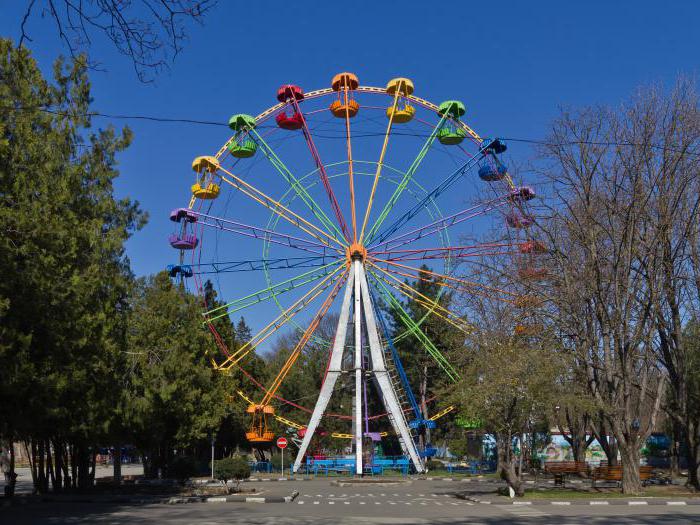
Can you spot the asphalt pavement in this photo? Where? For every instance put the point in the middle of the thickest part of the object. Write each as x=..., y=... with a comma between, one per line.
x=320, y=501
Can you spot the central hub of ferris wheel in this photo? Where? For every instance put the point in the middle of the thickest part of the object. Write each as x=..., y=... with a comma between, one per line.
x=356, y=252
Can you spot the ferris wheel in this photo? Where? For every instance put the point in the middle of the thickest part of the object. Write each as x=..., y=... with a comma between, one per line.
x=328, y=202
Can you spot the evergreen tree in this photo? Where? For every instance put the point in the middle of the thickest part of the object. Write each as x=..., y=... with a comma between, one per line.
x=62, y=258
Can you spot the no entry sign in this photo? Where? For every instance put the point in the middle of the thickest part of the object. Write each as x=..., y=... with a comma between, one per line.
x=282, y=442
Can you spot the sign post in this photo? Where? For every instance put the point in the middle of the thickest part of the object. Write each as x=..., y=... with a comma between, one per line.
x=282, y=444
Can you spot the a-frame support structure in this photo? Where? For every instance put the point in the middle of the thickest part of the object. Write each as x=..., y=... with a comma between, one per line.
x=357, y=295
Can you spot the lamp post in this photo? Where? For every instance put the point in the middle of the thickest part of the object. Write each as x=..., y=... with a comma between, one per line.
x=213, y=440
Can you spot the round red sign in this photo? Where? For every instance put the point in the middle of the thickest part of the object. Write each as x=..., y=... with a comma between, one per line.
x=282, y=442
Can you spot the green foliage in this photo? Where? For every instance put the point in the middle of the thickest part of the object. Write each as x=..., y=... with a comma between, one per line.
x=66, y=277
x=174, y=396
x=235, y=467
x=508, y=383
x=182, y=468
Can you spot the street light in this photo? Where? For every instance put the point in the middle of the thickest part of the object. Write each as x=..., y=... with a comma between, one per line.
x=212, y=437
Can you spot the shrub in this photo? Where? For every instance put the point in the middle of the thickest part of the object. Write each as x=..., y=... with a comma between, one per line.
x=235, y=467
x=182, y=467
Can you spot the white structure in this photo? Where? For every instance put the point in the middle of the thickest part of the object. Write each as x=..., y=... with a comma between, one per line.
x=357, y=294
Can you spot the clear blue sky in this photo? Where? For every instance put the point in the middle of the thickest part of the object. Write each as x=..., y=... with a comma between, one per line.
x=512, y=63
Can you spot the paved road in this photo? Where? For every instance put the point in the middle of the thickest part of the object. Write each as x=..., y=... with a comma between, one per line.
x=421, y=502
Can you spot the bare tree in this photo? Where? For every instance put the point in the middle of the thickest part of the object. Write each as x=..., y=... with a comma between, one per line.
x=150, y=32
x=598, y=233
x=670, y=127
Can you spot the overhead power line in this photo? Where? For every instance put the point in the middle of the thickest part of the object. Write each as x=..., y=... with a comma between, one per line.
x=340, y=136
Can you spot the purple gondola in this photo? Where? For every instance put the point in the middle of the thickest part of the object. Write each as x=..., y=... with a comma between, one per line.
x=185, y=242
x=183, y=213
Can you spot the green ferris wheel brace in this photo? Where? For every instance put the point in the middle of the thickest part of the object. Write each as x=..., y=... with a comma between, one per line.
x=296, y=185
x=415, y=329
x=271, y=291
x=242, y=123
x=406, y=178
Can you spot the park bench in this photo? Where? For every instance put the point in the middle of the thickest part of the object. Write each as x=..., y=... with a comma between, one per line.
x=329, y=465
x=562, y=469
x=614, y=474
x=380, y=465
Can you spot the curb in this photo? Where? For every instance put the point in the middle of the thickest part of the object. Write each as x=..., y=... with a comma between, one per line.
x=592, y=502
x=233, y=499
x=275, y=479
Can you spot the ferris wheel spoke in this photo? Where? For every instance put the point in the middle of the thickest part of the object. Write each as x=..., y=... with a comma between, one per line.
x=415, y=330
x=441, y=224
x=407, y=177
x=380, y=164
x=299, y=305
x=322, y=172
x=265, y=294
x=279, y=209
x=298, y=188
x=431, y=304
x=256, y=265
x=449, y=252
x=306, y=336
x=348, y=146
x=430, y=196
x=448, y=281
x=263, y=234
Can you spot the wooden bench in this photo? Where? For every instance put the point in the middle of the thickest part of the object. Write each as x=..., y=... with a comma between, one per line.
x=646, y=472
x=561, y=469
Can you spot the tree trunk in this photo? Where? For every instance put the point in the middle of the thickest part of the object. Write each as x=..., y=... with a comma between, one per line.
x=117, y=463
x=58, y=466
x=693, y=442
x=631, y=481
x=506, y=465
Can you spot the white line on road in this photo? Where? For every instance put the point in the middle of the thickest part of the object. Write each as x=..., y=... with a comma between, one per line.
x=675, y=503
x=637, y=503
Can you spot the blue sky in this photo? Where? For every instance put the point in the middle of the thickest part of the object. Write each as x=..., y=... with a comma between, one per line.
x=512, y=63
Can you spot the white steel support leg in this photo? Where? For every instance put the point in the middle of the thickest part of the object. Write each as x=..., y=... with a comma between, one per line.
x=386, y=387
x=357, y=269
x=334, y=369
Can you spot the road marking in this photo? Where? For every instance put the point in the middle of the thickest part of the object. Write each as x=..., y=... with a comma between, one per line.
x=421, y=495
x=300, y=502
x=408, y=503
x=362, y=503
x=423, y=503
x=438, y=503
x=331, y=495
x=561, y=503
x=346, y=502
x=522, y=503
x=453, y=503
x=637, y=503
x=408, y=494
x=598, y=502
x=316, y=502
x=331, y=502
x=391, y=503
x=307, y=495
x=377, y=502
x=675, y=503
x=382, y=495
